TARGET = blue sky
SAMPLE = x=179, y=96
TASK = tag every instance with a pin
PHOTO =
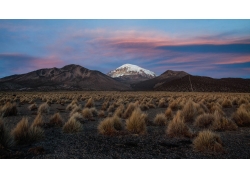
x=215, y=48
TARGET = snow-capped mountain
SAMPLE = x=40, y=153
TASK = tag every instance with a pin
x=129, y=73
x=130, y=69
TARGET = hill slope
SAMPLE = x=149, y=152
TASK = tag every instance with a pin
x=70, y=77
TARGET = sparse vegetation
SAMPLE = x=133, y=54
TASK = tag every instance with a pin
x=160, y=119
x=56, y=120
x=136, y=122
x=208, y=141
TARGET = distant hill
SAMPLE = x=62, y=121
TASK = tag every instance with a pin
x=151, y=84
x=70, y=77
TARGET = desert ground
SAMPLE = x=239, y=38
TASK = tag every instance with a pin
x=118, y=125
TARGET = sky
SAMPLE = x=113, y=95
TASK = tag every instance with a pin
x=214, y=48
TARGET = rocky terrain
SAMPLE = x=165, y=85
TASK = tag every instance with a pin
x=70, y=77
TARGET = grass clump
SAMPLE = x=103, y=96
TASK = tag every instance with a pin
x=242, y=116
x=8, y=109
x=178, y=128
x=110, y=125
x=43, y=108
x=160, y=119
x=32, y=107
x=136, y=122
x=90, y=103
x=169, y=113
x=208, y=141
x=38, y=121
x=6, y=139
x=131, y=107
x=24, y=134
x=72, y=126
x=204, y=120
x=87, y=113
x=56, y=120
x=222, y=123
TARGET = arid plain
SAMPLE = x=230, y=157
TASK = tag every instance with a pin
x=124, y=124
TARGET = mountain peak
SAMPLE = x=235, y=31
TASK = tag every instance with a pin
x=131, y=69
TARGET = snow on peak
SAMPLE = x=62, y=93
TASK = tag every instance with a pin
x=130, y=69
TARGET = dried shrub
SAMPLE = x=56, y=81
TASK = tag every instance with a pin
x=160, y=119
x=162, y=103
x=110, y=125
x=6, y=139
x=38, y=121
x=136, y=122
x=90, y=103
x=33, y=107
x=204, y=120
x=56, y=120
x=43, y=108
x=169, y=113
x=227, y=103
x=221, y=123
x=189, y=111
x=8, y=109
x=87, y=113
x=242, y=116
x=208, y=141
x=23, y=133
x=72, y=126
x=178, y=128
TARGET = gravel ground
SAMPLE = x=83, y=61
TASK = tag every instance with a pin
x=89, y=144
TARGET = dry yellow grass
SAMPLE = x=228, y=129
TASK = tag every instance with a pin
x=131, y=107
x=208, y=141
x=56, y=120
x=33, y=107
x=227, y=103
x=43, y=108
x=162, y=103
x=173, y=105
x=222, y=123
x=242, y=116
x=177, y=127
x=101, y=114
x=8, y=109
x=136, y=122
x=160, y=119
x=189, y=111
x=90, y=103
x=87, y=113
x=6, y=139
x=169, y=113
x=23, y=133
x=72, y=126
x=119, y=111
x=110, y=125
x=38, y=121
x=204, y=120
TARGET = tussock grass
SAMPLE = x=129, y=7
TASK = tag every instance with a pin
x=43, y=108
x=162, y=103
x=174, y=105
x=76, y=109
x=101, y=114
x=72, y=126
x=110, y=125
x=178, y=128
x=136, y=122
x=8, y=109
x=90, y=103
x=38, y=121
x=87, y=113
x=189, y=111
x=94, y=111
x=72, y=105
x=242, y=116
x=227, y=103
x=169, y=113
x=23, y=133
x=204, y=120
x=32, y=107
x=131, y=107
x=56, y=120
x=119, y=111
x=160, y=119
x=221, y=123
x=208, y=141
x=6, y=139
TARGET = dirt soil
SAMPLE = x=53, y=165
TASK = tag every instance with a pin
x=90, y=144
